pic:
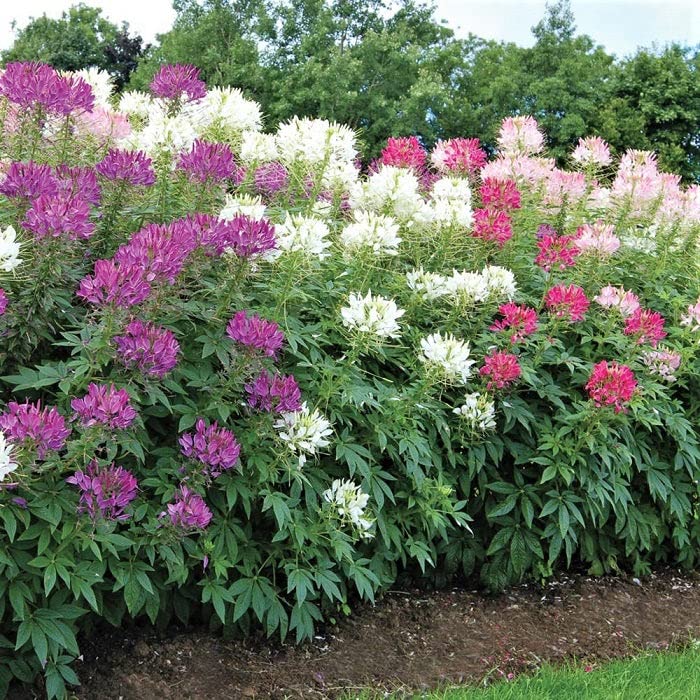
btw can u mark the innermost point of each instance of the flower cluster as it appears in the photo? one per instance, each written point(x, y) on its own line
point(624, 301)
point(131, 167)
point(611, 384)
point(568, 302)
point(9, 250)
point(663, 363)
point(645, 327)
point(104, 405)
point(404, 152)
point(148, 348)
point(447, 355)
point(372, 232)
point(372, 315)
point(501, 368)
point(178, 82)
point(556, 251)
point(255, 333)
point(215, 447)
point(520, 321)
point(349, 502)
point(44, 429)
point(105, 492)
point(7, 462)
point(276, 393)
point(478, 412)
point(188, 510)
point(598, 238)
point(459, 156)
point(304, 432)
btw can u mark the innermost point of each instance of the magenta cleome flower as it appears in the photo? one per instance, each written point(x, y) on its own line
point(213, 446)
point(245, 236)
point(501, 368)
point(270, 178)
point(178, 82)
point(29, 180)
point(404, 152)
point(499, 194)
point(131, 167)
point(57, 215)
point(105, 492)
point(491, 225)
point(44, 428)
point(104, 405)
point(4, 301)
point(149, 348)
point(256, 333)
point(611, 384)
point(119, 285)
point(78, 182)
point(278, 393)
point(458, 156)
point(521, 321)
point(556, 251)
point(31, 85)
point(188, 510)
point(646, 327)
point(567, 302)
point(207, 162)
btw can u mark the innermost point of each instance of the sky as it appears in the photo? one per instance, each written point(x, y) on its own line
point(619, 25)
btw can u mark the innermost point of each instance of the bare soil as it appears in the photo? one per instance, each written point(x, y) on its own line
point(410, 640)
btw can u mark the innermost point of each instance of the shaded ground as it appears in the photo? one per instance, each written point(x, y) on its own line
point(409, 640)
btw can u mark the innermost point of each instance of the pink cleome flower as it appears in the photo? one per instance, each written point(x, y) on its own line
point(104, 405)
point(501, 368)
point(188, 510)
point(624, 301)
point(256, 333)
point(567, 301)
point(556, 251)
point(458, 156)
point(493, 226)
point(520, 320)
point(178, 82)
point(404, 152)
point(499, 194)
point(149, 348)
point(278, 393)
point(105, 491)
point(646, 327)
point(44, 428)
point(215, 447)
point(611, 384)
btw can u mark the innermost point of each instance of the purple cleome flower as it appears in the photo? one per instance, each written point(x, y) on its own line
point(31, 85)
point(104, 405)
point(147, 347)
point(132, 167)
point(105, 491)
point(175, 82)
point(119, 285)
point(79, 182)
point(256, 333)
point(213, 446)
point(3, 302)
point(56, 215)
point(208, 162)
point(270, 178)
point(188, 510)
point(278, 393)
point(29, 180)
point(44, 428)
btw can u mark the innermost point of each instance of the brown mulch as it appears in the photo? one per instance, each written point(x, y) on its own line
point(409, 640)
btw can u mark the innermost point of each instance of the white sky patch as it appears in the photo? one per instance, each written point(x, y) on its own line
point(619, 25)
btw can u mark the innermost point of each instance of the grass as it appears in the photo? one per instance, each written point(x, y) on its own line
point(662, 676)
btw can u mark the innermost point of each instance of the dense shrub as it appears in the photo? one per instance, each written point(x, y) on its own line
point(245, 383)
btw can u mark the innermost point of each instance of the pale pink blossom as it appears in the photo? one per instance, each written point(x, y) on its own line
point(592, 151)
point(597, 238)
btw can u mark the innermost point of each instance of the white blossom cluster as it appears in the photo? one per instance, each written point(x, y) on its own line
point(448, 355)
point(373, 315)
point(101, 83)
point(493, 283)
point(303, 234)
point(305, 432)
point(392, 191)
point(450, 204)
point(350, 503)
point(258, 147)
point(9, 250)
point(7, 463)
point(370, 231)
point(478, 412)
point(243, 204)
point(315, 142)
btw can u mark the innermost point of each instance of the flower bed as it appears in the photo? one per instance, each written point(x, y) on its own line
point(245, 381)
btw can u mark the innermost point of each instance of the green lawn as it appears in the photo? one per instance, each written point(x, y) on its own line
point(663, 676)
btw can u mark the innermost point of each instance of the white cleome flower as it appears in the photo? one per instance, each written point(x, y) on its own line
point(371, 231)
point(467, 287)
point(430, 285)
point(7, 465)
point(393, 191)
point(162, 132)
point(350, 503)
point(136, 104)
point(315, 142)
point(304, 432)
point(478, 411)
point(448, 212)
point(500, 282)
point(449, 355)
point(303, 234)
point(257, 147)
point(373, 315)
point(101, 83)
point(9, 250)
point(453, 189)
point(242, 204)
point(227, 107)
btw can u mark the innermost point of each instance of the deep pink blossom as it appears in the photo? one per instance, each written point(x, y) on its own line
point(611, 384)
point(57, 215)
point(404, 152)
point(491, 225)
point(567, 301)
point(44, 428)
point(521, 321)
point(501, 368)
point(208, 162)
point(499, 194)
point(121, 285)
point(556, 251)
point(215, 447)
point(278, 393)
point(132, 167)
point(178, 82)
point(104, 405)
point(646, 327)
point(256, 333)
point(188, 510)
point(149, 348)
point(105, 491)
